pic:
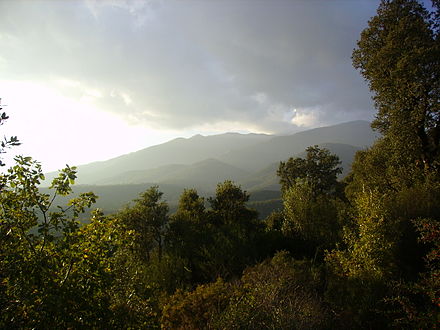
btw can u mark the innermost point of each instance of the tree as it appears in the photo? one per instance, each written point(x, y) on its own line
point(314, 220)
point(320, 169)
point(396, 180)
point(39, 254)
point(148, 218)
point(279, 293)
point(191, 206)
point(233, 232)
point(310, 197)
point(195, 309)
point(60, 269)
point(229, 204)
point(399, 55)
point(187, 233)
point(56, 271)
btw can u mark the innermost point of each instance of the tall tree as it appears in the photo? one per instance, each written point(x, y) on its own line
point(234, 231)
point(399, 55)
point(187, 233)
point(391, 183)
point(310, 188)
point(148, 218)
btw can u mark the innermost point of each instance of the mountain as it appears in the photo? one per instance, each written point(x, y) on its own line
point(111, 198)
point(201, 162)
point(267, 178)
point(142, 176)
point(206, 175)
point(179, 160)
point(178, 151)
point(201, 175)
point(259, 156)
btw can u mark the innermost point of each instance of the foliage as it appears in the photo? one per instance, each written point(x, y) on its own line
point(417, 305)
point(187, 233)
point(6, 142)
point(279, 293)
point(319, 169)
point(311, 194)
point(191, 206)
point(372, 169)
point(359, 272)
point(234, 232)
point(195, 309)
point(55, 272)
point(399, 55)
point(228, 205)
point(313, 219)
point(147, 218)
point(36, 264)
point(108, 245)
point(395, 181)
point(430, 284)
point(380, 250)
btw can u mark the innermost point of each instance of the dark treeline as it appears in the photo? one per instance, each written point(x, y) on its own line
point(358, 253)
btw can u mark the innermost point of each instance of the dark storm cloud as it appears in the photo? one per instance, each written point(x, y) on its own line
point(185, 64)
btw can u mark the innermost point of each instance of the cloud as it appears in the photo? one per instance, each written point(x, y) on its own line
point(187, 64)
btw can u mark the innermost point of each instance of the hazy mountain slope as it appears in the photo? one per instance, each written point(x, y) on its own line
point(113, 197)
point(248, 152)
point(268, 180)
point(205, 175)
point(257, 157)
point(265, 179)
point(177, 151)
point(345, 153)
point(141, 176)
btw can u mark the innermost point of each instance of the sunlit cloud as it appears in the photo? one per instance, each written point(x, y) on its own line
point(305, 117)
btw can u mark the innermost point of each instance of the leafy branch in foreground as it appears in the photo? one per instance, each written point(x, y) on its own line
point(35, 264)
point(6, 142)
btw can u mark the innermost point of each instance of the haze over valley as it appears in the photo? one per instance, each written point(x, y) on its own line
point(201, 162)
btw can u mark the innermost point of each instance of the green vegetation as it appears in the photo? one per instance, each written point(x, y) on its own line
point(361, 253)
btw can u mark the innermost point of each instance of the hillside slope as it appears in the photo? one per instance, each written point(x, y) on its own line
point(202, 161)
point(267, 178)
point(257, 157)
point(178, 151)
point(201, 175)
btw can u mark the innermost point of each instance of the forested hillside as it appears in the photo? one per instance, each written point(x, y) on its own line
point(359, 252)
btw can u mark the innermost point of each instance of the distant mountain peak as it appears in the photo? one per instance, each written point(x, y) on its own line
point(197, 136)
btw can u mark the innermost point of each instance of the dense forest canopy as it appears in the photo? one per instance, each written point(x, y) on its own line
point(358, 253)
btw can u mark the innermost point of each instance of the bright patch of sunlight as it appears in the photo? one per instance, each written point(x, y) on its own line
point(56, 130)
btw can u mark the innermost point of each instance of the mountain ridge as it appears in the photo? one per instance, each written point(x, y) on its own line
point(209, 158)
point(177, 151)
point(249, 160)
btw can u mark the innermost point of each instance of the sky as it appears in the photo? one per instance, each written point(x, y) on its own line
point(90, 80)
